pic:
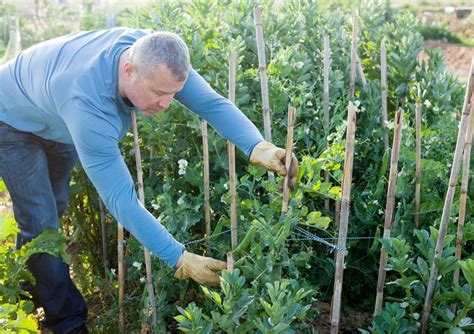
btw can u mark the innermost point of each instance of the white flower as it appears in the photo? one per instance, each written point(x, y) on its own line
point(299, 65)
point(113, 271)
point(137, 265)
point(182, 166)
point(427, 103)
point(449, 10)
point(142, 279)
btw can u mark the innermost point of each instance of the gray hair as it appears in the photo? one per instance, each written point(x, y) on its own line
point(157, 48)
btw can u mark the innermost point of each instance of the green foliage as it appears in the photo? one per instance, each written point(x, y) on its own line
point(437, 31)
point(414, 272)
point(15, 314)
point(391, 321)
point(14, 318)
point(240, 311)
point(171, 144)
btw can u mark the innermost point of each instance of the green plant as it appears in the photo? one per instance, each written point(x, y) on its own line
point(391, 321)
point(237, 312)
point(15, 313)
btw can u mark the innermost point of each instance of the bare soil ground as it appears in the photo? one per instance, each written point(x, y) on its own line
point(350, 320)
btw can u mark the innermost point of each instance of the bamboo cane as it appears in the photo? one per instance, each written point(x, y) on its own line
point(345, 204)
point(360, 71)
point(327, 62)
point(231, 149)
point(262, 69)
point(141, 195)
point(205, 154)
point(418, 164)
point(383, 87)
point(152, 156)
point(121, 278)
point(353, 57)
point(392, 182)
point(230, 261)
point(104, 237)
point(463, 197)
point(288, 160)
point(351, 96)
point(448, 200)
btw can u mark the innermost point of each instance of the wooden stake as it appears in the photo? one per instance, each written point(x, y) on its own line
point(327, 62)
point(262, 69)
point(449, 199)
point(345, 205)
point(231, 149)
point(418, 164)
point(103, 229)
point(121, 278)
point(464, 188)
point(351, 96)
point(205, 154)
point(383, 86)
point(230, 261)
point(288, 160)
point(141, 196)
point(392, 182)
point(360, 70)
point(353, 57)
point(326, 67)
point(152, 156)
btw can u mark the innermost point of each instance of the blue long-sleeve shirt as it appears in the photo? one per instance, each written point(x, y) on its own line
point(66, 90)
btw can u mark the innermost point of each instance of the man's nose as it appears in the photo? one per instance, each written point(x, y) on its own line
point(165, 102)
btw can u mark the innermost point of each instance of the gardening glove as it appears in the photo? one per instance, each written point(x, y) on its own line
point(203, 270)
point(272, 158)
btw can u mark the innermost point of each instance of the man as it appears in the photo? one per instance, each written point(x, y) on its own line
point(76, 94)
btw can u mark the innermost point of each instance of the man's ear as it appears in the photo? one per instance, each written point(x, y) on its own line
point(128, 69)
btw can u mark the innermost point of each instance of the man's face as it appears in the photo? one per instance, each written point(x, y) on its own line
point(151, 94)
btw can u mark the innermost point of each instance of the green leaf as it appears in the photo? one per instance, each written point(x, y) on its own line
point(446, 265)
point(314, 219)
point(25, 322)
point(467, 267)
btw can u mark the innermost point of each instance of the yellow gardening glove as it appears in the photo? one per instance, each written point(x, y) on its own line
point(203, 270)
point(272, 158)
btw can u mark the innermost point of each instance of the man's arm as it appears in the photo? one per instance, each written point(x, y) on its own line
point(96, 139)
point(231, 123)
point(223, 115)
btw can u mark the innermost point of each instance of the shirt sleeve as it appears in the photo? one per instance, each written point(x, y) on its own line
point(96, 138)
point(218, 111)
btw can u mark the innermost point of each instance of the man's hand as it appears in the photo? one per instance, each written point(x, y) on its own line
point(272, 158)
point(203, 270)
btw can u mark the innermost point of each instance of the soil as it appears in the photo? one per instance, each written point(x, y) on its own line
point(457, 57)
point(350, 320)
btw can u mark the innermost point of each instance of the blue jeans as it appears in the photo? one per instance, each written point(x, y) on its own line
point(36, 173)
